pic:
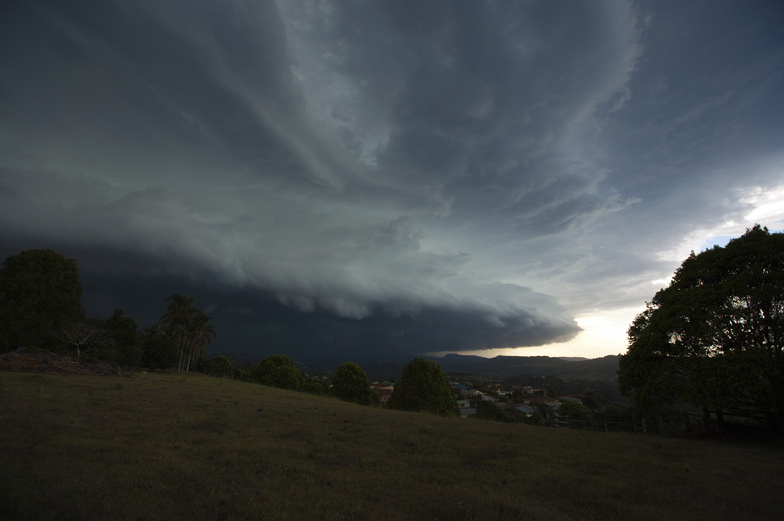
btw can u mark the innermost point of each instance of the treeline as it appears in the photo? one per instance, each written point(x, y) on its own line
point(40, 307)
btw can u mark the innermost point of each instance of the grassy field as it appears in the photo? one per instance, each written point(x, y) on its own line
point(168, 446)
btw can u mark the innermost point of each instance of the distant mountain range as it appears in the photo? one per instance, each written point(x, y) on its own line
point(499, 367)
point(505, 366)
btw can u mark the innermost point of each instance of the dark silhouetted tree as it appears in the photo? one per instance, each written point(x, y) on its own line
point(189, 328)
point(159, 350)
point(278, 371)
point(487, 410)
point(351, 384)
point(125, 333)
point(40, 293)
point(223, 366)
point(715, 336)
point(179, 313)
point(199, 333)
point(314, 386)
point(423, 387)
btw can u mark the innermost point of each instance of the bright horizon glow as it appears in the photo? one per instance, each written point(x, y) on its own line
point(604, 333)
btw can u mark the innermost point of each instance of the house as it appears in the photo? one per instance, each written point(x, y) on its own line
point(466, 412)
point(463, 404)
point(526, 410)
point(384, 390)
point(384, 394)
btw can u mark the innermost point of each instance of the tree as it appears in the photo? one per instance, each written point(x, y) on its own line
point(487, 410)
point(314, 386)
point(179, 311)
point(567, 407)
point(79, 335)
point(125, 333)
point(40, 292)
point(715, 336)
point(351, 384)
point(188, 327)
point(159, 351)
point(223, 366)
point(199, 332)
point(278, 371)
point(423, 387)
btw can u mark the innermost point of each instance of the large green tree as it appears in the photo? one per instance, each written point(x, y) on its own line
point(40, 293)
point(424, 387)
point(351, 384)
point(715, 336)
point(278, 371)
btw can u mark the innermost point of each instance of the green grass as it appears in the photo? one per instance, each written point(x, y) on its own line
point(168, 446)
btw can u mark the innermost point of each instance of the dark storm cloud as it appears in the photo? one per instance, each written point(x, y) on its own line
point(352, 177)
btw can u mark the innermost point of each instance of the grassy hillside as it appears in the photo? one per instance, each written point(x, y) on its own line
point(168, 446)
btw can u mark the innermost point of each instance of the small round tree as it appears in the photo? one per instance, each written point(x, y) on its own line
point(278, 371)
point(351, 384)
point(423, 387)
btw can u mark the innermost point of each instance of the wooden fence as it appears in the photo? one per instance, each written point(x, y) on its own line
point(591, 422)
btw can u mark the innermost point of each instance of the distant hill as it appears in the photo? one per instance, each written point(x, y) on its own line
point(499, 367)
point(506, 366)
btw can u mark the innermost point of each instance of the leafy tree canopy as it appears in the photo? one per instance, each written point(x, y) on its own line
point(223, 366)
point(39, 293)
point(424, 387)
point(351, 384)
point(487, 410)
point(278, 371)
point(715, 336)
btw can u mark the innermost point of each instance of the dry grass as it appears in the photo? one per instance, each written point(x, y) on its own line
point(167, 446)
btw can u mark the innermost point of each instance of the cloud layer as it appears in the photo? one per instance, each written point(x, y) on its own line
point(386, 176)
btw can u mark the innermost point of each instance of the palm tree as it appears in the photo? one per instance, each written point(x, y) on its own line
point(199, 333)
point(176, 321)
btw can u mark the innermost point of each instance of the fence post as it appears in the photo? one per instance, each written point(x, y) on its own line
point(644, 429)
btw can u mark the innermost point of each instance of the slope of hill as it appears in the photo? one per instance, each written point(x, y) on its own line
point(172, 446)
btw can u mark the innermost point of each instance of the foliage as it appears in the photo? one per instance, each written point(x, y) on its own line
point(423, 387)
point(125, 333)
point(351, 384)
point(567, 406)
point(487, 410)
point(241, 375)
point(39, 293)
point(159, 351)
point(278, 371)
point(222, 366)
point(715, 336)
point(314, 386)
point(188, 327)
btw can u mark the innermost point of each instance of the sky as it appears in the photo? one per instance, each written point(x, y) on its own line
point(360, 180)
